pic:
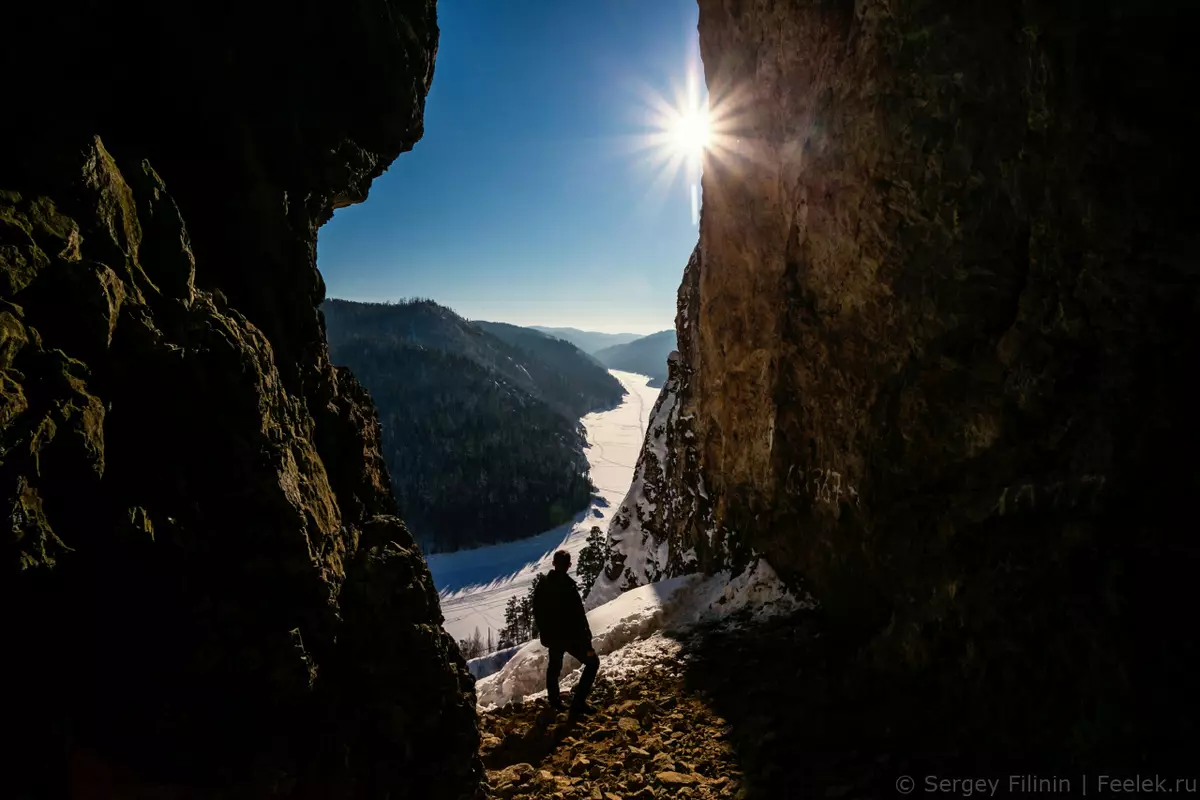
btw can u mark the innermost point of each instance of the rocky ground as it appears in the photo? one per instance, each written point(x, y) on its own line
point(648, 738)
point(795, 707)
point(737, 714)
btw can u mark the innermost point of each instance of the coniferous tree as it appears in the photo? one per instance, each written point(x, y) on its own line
point(525, 615)
point(511, 632)
point(533, 629)
point(477, 643)
point(519, 623)
point(591, 559)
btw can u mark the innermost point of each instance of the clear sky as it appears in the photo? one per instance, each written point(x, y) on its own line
point(534, 197)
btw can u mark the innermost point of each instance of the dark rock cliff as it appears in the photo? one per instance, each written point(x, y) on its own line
point(936, 343)
point(209, 593)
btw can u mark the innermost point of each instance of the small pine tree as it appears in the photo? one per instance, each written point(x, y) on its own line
point(533, 628)
point(525, 618)
point(591, 559)
point(512, 629)
point(476, 644)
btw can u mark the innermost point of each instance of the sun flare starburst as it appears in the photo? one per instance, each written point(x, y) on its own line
point(689, 131)
point(682, 132)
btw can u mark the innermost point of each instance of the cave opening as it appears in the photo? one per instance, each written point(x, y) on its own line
point(929, 373)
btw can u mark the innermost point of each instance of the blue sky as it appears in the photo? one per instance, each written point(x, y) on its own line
point(527, 200)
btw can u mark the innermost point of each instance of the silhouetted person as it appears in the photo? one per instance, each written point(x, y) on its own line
point(563, 626)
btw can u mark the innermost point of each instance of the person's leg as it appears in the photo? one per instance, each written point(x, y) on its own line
point(591, 665)
point(553, 670)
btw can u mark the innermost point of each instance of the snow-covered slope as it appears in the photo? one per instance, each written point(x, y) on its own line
point(475, 585)
point(638, 553)
point(628, 630)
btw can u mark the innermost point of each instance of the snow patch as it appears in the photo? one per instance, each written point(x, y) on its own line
point(758, 590)
point(628, 630)
point(486, 665)
point(661, 555)
point(653, 652)
point(660, 423)
point(632, 616)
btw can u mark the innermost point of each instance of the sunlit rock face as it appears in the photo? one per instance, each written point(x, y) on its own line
point(666, 525)
point(208, 593)
point(938, 333)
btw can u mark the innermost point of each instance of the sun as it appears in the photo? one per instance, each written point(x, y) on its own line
point(689, 132)
point(678, 134)
point(681, 130)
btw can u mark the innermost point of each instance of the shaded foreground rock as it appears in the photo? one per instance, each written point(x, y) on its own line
point(936, 345)
point(790, 708)
point(209, 593)
point(671, 747)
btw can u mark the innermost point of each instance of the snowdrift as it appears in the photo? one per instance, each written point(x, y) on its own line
point(627, 631)
point(486, 665)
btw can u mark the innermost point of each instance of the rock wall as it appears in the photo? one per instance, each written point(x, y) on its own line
point(209, 593)
point(666, 525)
point(936, 339)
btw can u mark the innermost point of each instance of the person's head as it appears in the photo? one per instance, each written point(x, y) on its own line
point(562, 561)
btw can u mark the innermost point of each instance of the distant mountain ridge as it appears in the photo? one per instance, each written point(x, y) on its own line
point(647, 355)
point(480, 421)
point(587, 341)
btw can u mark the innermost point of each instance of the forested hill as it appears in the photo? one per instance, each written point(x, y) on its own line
point(558, 373)
point(482, 437)
point(647, 355)
point(560, 369)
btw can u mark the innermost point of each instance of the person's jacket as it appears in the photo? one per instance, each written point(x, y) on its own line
point(558, 612)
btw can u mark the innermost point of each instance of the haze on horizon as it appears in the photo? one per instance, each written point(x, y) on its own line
point(557, 180)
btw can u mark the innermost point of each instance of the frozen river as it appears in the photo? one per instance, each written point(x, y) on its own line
point(475, 585)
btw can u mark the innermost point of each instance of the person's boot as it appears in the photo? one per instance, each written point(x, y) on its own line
point(555, 703)
point(581, 709)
